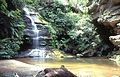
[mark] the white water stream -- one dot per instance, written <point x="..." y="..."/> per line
<point x="36" y="51"/>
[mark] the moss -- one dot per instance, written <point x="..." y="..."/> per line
<point x="58" y="54"/>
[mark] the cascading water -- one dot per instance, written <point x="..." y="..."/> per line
<point x="36" y="49"/>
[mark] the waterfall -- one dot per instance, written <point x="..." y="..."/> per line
<point x="37" y="49"/>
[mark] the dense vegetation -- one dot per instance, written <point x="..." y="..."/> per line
<point x="11" y="27"/>
<point x="68" y="21"/>
<point x="68" y="25"/>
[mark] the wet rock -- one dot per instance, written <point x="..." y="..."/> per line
<point x="55" y="72"/>
<point x="88" y="53"/>
<point x="9" y="74"/>
<point x="78" y="55"/>
<point x="115" y="40"/>
<point x="36" y="32"/>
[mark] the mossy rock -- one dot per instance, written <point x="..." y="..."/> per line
<point x="57" y="54"/>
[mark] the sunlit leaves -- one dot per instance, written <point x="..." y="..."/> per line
<point x="3" y="5"/>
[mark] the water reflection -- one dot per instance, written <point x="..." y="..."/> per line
<point x="80" y="67"/>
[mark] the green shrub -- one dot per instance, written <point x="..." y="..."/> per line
<point x="70" y="31"/>
<point x="12" y="26"/>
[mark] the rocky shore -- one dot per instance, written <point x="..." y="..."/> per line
<point x="14" y="68"/>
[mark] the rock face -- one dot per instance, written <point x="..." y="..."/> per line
<point x="106" y="12"/>
<point x="55" y="72"/>
<point x="105" y="15"/>
<point x="36" y="32"/>
<point x="115" y="40"/>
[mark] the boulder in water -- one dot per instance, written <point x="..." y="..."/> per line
<point x="55" y="72"/>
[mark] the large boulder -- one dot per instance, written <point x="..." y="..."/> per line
<point x="55" y="72"/>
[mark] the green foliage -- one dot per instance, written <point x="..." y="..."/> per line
<point x="19" y="4"/>
<point x="116" y="58"/>
<point x="69" y="31"/>
<point x="16" y="23"/>
<point x="7" y="48"/>
<point x="12" y="29"/>
<point x="60" y="22"/>
<point x="29" y="2"/>
<point x="3" y="5"/>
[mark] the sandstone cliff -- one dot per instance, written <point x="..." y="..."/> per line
<point x="105" y="15"/>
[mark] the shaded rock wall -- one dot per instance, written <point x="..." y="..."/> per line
<point x="105" y="15"/>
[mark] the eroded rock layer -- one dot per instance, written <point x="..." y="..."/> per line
<point x="105" y="15"/>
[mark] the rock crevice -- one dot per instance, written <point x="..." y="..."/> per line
<point x="105" y="15"/>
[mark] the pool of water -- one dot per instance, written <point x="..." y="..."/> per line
<point x="85" y="67"/>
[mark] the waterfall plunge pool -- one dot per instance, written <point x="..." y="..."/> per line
<point x="83" y="67"/>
